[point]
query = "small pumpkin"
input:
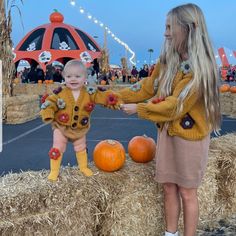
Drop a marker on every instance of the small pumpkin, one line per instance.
(224, 88)
(16, 80)
(103, 82)
(56, 17)
(109, 155)
(232, 89)
(142, 149)
(40, 81)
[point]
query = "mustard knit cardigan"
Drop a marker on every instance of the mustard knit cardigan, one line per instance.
(165, 111)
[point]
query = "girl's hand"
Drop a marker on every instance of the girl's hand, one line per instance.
(129, 108)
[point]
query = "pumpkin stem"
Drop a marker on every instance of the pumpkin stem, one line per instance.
(55, 10)
(145, 136)
(112, 142)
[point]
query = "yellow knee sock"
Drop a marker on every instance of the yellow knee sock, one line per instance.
(55, 168)
(83, 163)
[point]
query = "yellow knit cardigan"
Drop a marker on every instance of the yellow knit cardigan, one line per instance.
(73, 117)
(165, 111)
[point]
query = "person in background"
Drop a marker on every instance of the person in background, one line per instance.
(182, 97)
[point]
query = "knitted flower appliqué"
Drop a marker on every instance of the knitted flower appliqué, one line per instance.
(45, 104)
(64, 117)
(43, 98)
(102, 89)
(158, 100)
(54, 153)
(84, 121)
(135, 87)
(185, 67)
(111, 99)
(89, 106)
(57, 90)
(61, 103)
(187, 122)
(91, 90)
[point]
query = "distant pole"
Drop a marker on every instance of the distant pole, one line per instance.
(105, 39)
(150, 50)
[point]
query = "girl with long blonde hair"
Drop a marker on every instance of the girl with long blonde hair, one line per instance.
(182, 98)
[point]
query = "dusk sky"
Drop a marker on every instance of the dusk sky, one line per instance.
(138, 23)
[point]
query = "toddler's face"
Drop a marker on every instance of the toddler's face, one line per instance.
(75, 77)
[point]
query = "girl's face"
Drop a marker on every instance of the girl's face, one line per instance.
(75, 77)
(174, 33)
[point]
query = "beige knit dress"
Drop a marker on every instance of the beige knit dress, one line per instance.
(180, 161)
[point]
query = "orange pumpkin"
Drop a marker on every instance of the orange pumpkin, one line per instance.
(224, 88)
(142, 149)
(16, 80)
(232, 89)
(56, 17)
(109, 155)
(40, 81)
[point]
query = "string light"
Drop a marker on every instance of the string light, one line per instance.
(89, 16)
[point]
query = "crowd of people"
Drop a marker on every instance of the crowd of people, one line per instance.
(228, 74)
(35, 74)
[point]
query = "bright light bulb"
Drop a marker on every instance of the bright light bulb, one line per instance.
(90, 17)
(72, 3)
(101, 24)
(81, 10)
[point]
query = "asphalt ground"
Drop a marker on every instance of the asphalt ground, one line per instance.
(26, 146)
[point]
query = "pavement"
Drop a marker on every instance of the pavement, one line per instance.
(26, 146)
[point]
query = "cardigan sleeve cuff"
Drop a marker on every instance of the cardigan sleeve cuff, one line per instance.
(47, 115)
(142, 110)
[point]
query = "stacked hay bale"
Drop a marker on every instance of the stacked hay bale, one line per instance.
(226, 175)
(126, 202)
(34, 89)
(20, 109)
(228, 104)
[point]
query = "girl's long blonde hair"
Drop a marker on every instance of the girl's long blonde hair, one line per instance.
(201, 58)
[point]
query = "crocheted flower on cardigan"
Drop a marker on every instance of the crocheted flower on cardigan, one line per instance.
(157, 100)
(185, 67)
(135, 87)
(43, 98)
(61, 103)
(102, 89)
(54, 153)
(89, 106)
(45, 104)
(64, 117)
(57, 90)
(111, 99)
(91, 90)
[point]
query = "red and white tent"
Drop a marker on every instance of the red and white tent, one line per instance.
(227, 56)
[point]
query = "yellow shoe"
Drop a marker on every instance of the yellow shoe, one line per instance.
(83, 163)
(55, 164)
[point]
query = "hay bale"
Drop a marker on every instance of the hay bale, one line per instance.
(226, 176)
(138, 208)
(126, 202)
(19, 89)
(30, 204)
(22, 108)
(228, 104)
